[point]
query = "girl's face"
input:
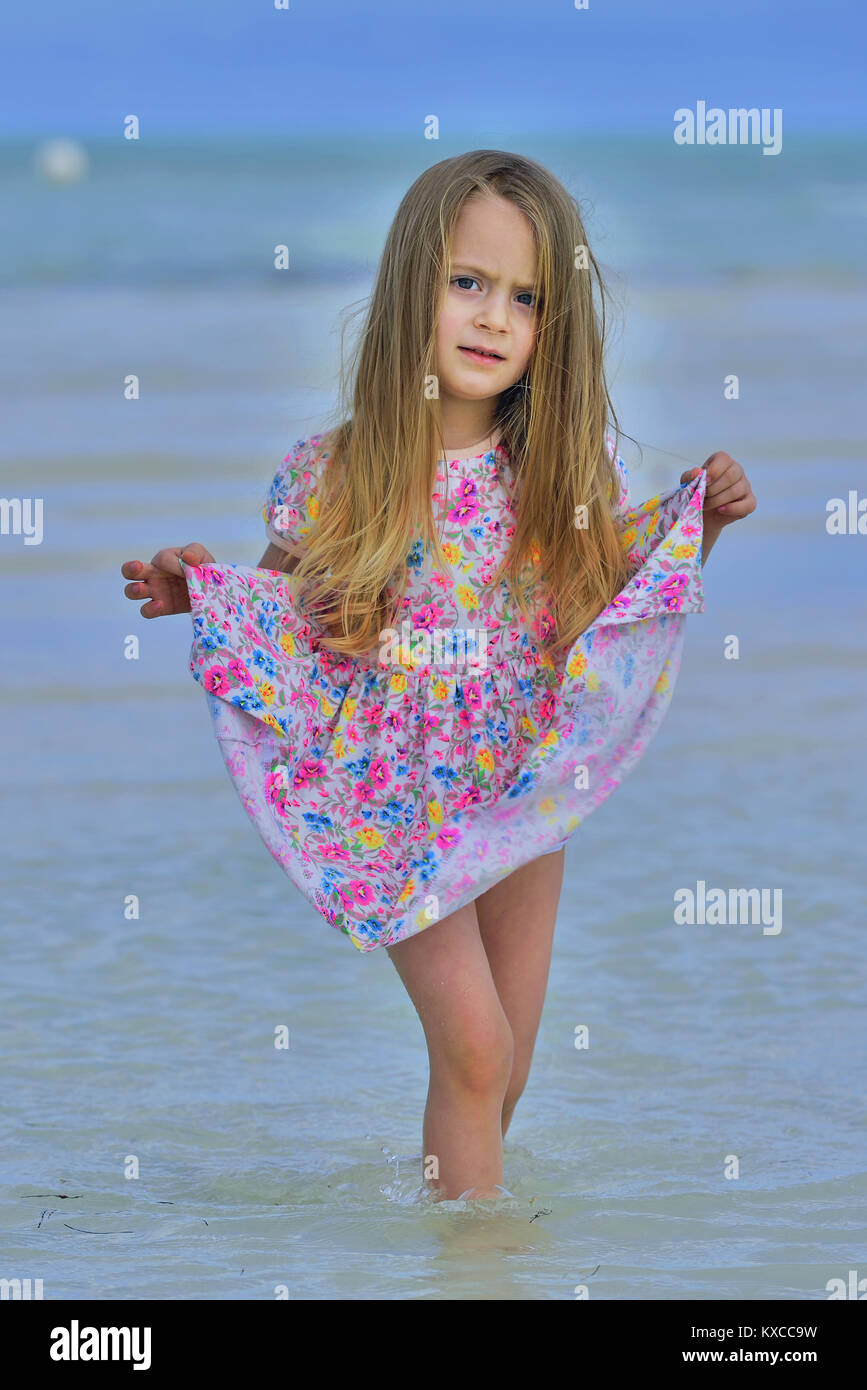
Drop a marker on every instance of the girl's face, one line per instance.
(489, 303)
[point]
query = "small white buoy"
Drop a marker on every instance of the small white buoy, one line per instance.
(62, 161)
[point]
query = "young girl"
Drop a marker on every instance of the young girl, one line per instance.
(461, 637)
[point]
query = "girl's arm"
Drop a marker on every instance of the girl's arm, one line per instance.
(273, 554)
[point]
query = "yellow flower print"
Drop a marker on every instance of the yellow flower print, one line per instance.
(349, 706)
(269, 719)
(372, 838)
(662, 683)
(685, 551)
(440, 689)
(326, 706)
(550, 739)
(452, 553)
(576, 664)
(408, 890)
(267, 692)
(466, 596)
(287, 642)
(435, 811)
(485, 759)
(528, 724)
(398, 682)
(339, 750)
(592, 681)
(313, 507)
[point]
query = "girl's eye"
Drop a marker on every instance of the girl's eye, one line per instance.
(473, 281)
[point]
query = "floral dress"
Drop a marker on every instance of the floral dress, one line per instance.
(393, 794)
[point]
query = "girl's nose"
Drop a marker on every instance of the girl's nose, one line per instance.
(493, 315)
(491, 324)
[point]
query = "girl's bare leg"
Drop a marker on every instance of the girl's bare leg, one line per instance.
(516, 924)
(448, 977)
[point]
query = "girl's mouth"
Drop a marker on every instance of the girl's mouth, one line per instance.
(480, 356)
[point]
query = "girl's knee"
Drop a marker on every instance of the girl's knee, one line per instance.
(478, 1059)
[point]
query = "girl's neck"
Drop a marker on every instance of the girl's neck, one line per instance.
(473, 450)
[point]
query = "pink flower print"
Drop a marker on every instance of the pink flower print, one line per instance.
(373, 716)
(358, 891)
(447, 838)
(672, 591)
(443, 581)
(379, 773)
(547, 706)
(427, 616)
(288, 518)
(238, 670)
(620, 603)
(473, 694)
(216, 680)
(468, 798)
(333, 850)
(362, 792)
(237, 763)
(309, 770)
(466, 507)
(275, 786)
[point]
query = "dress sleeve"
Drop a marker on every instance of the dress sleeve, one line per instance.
(291, 505)
(622, 503)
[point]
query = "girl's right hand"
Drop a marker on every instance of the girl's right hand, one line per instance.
(163, 582)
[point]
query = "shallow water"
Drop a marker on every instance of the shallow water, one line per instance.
(154, 1037)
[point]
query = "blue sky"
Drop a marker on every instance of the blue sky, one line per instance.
(199, 66)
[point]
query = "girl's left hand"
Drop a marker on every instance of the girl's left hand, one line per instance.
(728, 495)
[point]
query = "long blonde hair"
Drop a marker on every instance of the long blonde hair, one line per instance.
(375, 499)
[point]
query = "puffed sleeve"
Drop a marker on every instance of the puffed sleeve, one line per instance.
(291, 505)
